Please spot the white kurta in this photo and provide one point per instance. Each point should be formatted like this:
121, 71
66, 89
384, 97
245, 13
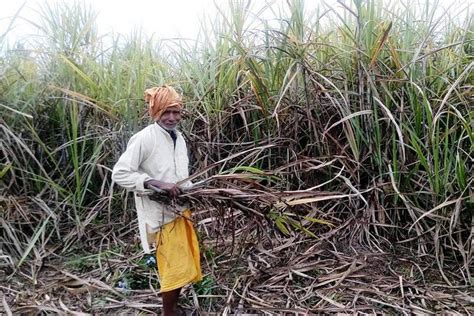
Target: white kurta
151, 154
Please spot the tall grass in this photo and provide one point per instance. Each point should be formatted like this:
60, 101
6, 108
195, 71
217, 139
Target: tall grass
375, 97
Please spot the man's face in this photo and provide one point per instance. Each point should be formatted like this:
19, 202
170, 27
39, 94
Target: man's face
170, 118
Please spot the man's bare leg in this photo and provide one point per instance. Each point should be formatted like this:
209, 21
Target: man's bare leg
170, 302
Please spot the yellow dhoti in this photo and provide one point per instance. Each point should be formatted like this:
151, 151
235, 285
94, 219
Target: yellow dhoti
177, 254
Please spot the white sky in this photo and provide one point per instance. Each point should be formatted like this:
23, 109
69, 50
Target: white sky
164, 18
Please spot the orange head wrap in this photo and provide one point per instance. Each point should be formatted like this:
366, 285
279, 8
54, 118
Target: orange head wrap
161, 98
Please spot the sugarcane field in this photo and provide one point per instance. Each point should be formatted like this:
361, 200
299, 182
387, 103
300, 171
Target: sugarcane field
318, 159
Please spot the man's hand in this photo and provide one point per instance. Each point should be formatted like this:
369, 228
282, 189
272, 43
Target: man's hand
172, 189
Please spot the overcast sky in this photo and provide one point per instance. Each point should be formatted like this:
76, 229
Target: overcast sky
165, 18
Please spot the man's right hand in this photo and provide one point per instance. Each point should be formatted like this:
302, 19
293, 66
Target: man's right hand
172, 189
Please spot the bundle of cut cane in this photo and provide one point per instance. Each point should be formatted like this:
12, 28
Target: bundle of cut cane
245, 191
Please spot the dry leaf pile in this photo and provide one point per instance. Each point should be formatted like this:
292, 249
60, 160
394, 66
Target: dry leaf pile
273, 253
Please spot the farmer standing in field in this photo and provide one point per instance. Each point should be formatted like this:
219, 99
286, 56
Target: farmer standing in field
157, 156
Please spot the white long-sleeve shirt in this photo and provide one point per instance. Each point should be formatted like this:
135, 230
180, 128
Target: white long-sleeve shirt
151, 154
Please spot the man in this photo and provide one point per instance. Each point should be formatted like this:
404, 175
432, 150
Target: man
157, 156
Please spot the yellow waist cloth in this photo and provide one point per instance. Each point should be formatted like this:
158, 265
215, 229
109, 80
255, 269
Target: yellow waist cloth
177, 254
